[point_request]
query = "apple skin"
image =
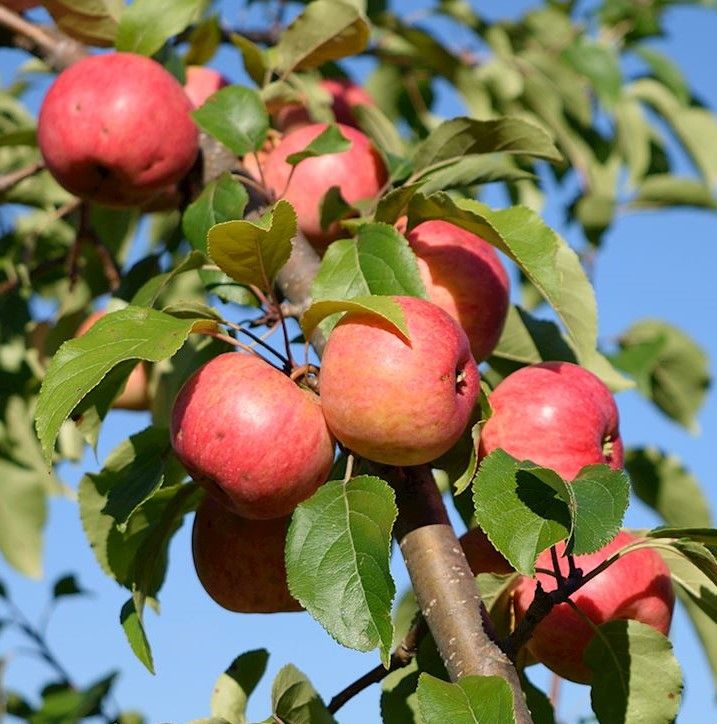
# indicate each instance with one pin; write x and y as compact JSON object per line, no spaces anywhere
{"x":482,"y":557}
{"x":359,"y":172}
{"x":636,"y":587}
{"x":135,"y":395}
{"x":463,"y":275}
{"x":556,"y":414}
{"x":252,"y":437}
{"x":202,"y":82}
{"x":240,"y":562}
{"x":392,"y":402}
{"x":116,"y":129}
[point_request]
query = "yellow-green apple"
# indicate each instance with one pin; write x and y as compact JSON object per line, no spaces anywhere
{"x":135,"y":395}
{"x":481,"y":555}
{"x":556,"y":414}
{"x":636,"y":587}
{"x":116,"y":129}
{"x":393,"y":401}
{"x":359,"y":172}
{"x":251,"y":436}
{"x":202,"y":82}
{"x":240,"y":562}
{"x":463,"y":275}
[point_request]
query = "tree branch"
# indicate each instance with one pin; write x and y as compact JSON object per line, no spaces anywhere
{"x":12,"y":178}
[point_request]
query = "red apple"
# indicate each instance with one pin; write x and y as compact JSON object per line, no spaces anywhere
{"x":202,"y":82}
{"x":135,"y":395}
{"x":557,"y":415}
{"x":252,"y":437}
{"x":394,"y":402}
{"x":240,"y":562}
{"x":636,"y":587}
{"x":359,"y":172}
{"x":463,"y":275}
{"x":482,"y":557}
{"x":116,"y":129}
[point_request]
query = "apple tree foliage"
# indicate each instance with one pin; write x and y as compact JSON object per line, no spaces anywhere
{"x":547,"y":101}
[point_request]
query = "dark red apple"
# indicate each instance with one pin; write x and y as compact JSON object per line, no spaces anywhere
{"x":482,"y":557}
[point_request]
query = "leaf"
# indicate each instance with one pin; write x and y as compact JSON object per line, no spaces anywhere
{"x":223,"y":199}
{"x":337,"y":561}
{"x":473,"y":169}
{"x":237,"y":117}
{"x":633,"y":137}
{"x":295,"y":701}
{"x":334,"y":208}
{"x":521,"y":508}
{"x":67,"y":586}
{"x":63,"y":703}
{"x":471,"y":700}
{"x":454,"y":139}
{"x":254,"y":252}
{"x":662,"y":482}
{"x":235,"y":685}
{"x":379,"y":128}
{"x":148,"y":294}
{"x":325,"y":30}
{"x":384,"y":307}
{"x":668,"y":366}
{"x":80,"y":364}
{"x":636,"y":677}
{"x":328,"y":141}
{"x":541,"y":710}
{"x":666,"y":71}
{"x":136,"y":637}
{"x":545,"y":258}
{"x":599,"y":63}
{"x":255,"y":59}
{"x":666,"y":190}
{"x":146,"y":24}
{"x":93,"y":22}
{"x":689,"y":579}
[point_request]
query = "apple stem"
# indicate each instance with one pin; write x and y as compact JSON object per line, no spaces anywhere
{"x":258,"y":340}
{"x":556,"y":566}
{"x":239,"y":345}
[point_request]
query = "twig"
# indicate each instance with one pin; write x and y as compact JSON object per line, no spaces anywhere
{"x":8,"y":180}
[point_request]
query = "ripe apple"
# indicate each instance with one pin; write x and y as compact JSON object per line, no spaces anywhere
{"x":463,"y":275}
{"x":636,"y":587}
{"x":135,"y":395}
{"x":202,"y":82}
{"x":396,"y":402}
{"x":482,"y":557}
{"x":252,"y":437}
{"x":359,"y":172}
{"x":116,"y":129}
{"x":557,"y":415}
{"x":240,"y":562}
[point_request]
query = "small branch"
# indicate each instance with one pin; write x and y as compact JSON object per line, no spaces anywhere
{"x":556,"y":566}
{"x":8,"y":180}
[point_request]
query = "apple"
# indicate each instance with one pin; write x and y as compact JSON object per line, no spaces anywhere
{"x":556,"y":414}
{"x":116,"y":129}
{"x":202,"y":82}
{"x":359,"y":172}
{"x":463,"y":275}
{"x":392,"y":401}
{"x":240,"y":562}
{"x":135,"y":395}
{"x":482,"y":557}
{"x":636,"y":587}
{"x":251,"y":436}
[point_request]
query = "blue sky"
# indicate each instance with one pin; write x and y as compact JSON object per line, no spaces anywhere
{"x":652,"y":265}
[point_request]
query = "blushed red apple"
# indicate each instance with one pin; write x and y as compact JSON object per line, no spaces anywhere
{"x":202,"y":82}
{"x":251,"y":436}
{"x":392,"y":401}
{"x":359,"y":172}
{"x":116,"y":129}
{"x":636,"y":587}
{"x":481,"y":555}
{"x":556,"y":414}
{"x":240,"y":562}
{"x":463,"y":275}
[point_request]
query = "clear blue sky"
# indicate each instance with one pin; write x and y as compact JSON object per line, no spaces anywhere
{"x":653,"y":265}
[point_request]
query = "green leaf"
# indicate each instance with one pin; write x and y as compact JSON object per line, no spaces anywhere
{"x":545,"y":258}
{"x":391,"y":206}
{"x":295,"y":701}
{"x":255,"y":59}
{"x":541,"y":710}
{"x":136,"y":637}
{"x":328,"y":141}
{"x":471,"y":170}
{"x":495,"y":590}
{"x":234,"y":687}
{"x":385,"y":307}
{"x":237,"y":117}
{"x":204,"y":41}
{"x":379,"y":128}
{"x":67,"y":586}
{"x":64,"y":703}
{"x":81,"y":364}
{"x":666,"y":190}
{"x":668,"y":366}
{"x":471,"y":700}
{"x":334,"y":208}
{"x":636,"y":677}
{"x":521,"y":508}
{"x":148,"y":294}
{"x":666,"y":71}
{"x":253,"y":252}
{"x":223,"y":199}
{"x":662,"y":482}
{"x":454,"y":139}
{"x":633,"y":137}
{"x":93,"y":22}
{"x":337,"y":561}
{"x":325,"y":30}
{"x":599,"y":63}
{"x":146,"y":24}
